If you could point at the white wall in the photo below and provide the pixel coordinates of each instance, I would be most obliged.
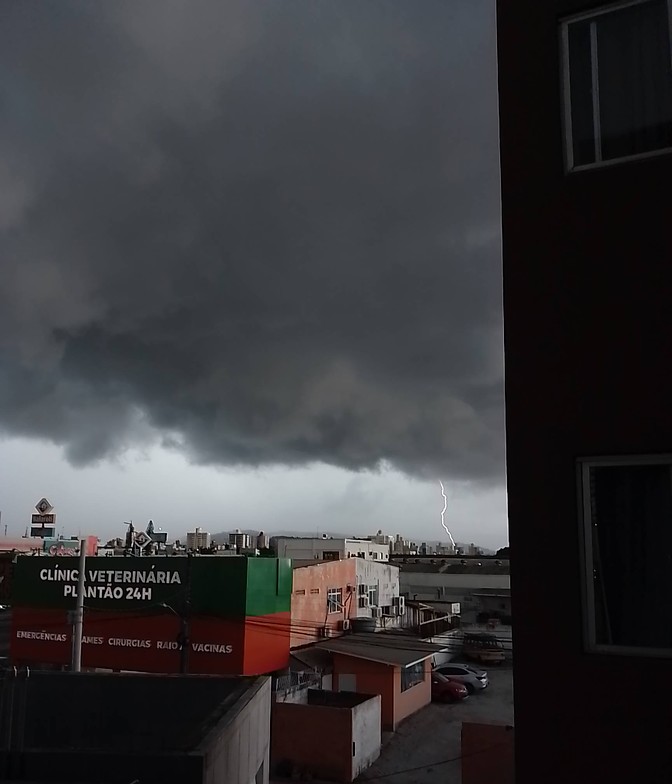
(307, 549)
(366, 734)
(311, 548)
(235, 753)
(386, 577)
(373, 550)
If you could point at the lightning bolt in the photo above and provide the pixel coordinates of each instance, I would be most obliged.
(443, 512)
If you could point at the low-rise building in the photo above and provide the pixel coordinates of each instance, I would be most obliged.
(395, 666)
(329, 597)
(455, 580)
(326, 548)
(126, 728)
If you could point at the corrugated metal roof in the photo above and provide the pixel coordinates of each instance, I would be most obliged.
(394, 649)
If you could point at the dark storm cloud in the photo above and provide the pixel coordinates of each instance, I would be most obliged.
(268, 229)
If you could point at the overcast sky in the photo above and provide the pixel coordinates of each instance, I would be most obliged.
(250, 265)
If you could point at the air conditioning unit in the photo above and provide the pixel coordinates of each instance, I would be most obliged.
(324, 631)
(345, 625)
(376, 612)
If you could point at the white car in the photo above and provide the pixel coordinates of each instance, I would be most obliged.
(472, 677)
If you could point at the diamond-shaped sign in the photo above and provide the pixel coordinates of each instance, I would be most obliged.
(141, 539)
(43, 506)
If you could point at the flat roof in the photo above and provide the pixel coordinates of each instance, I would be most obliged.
(139, 713)
(390, 648)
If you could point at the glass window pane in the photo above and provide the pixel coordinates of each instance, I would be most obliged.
(631, 531)
(635, 80)
(580, 82)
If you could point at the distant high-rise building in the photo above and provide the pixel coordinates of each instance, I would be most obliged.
(262, 541)
(197, 539)
(239, 540)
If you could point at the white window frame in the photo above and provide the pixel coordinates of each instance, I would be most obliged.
(584, 464)
(334, 599)
(566, 90)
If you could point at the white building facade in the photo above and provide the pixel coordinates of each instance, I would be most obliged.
(197, 539)
(328, 549)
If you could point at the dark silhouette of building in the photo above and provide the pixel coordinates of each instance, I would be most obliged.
(586, 134)
(92, 727)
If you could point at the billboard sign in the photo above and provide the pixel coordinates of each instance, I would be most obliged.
(237, 611)
(139, 642)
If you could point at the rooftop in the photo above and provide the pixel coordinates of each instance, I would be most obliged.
(438, 565)
(139, 713)
(385, 648)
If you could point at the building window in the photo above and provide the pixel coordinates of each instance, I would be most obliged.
(300, 592)
(373, 595)
(314, 590)
(412, 675)
(331, 555)
(617, 83)
(626, 515)
(334, 600)
(362, 596)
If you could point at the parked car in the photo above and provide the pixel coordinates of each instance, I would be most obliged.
(472, 677)
(444, 689)
(483, 648)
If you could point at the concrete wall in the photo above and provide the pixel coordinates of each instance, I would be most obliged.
(487, 754)
(366, 734)
(412, 700)
(313, 739)
(235, 752)
(309, 598)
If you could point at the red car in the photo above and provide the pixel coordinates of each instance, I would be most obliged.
(446, 690)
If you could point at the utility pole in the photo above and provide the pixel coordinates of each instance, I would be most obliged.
(185, 622)
(78, 617)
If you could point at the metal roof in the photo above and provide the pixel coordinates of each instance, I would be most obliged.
(391, 648)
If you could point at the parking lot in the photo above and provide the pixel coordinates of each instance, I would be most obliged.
(426, 748)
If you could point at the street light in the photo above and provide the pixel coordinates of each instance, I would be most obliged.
(183, 637)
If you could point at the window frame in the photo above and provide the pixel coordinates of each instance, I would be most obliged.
(565, 87)
(421, 675)
(589, 623)
(337, 601)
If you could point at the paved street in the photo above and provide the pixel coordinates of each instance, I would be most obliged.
(417, 752)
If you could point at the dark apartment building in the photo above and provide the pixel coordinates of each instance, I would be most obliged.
(586, 163)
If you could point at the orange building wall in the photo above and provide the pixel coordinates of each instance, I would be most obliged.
(372, 678)
(266, 643)
(299, 736)
(309, 598)
(385, 679)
